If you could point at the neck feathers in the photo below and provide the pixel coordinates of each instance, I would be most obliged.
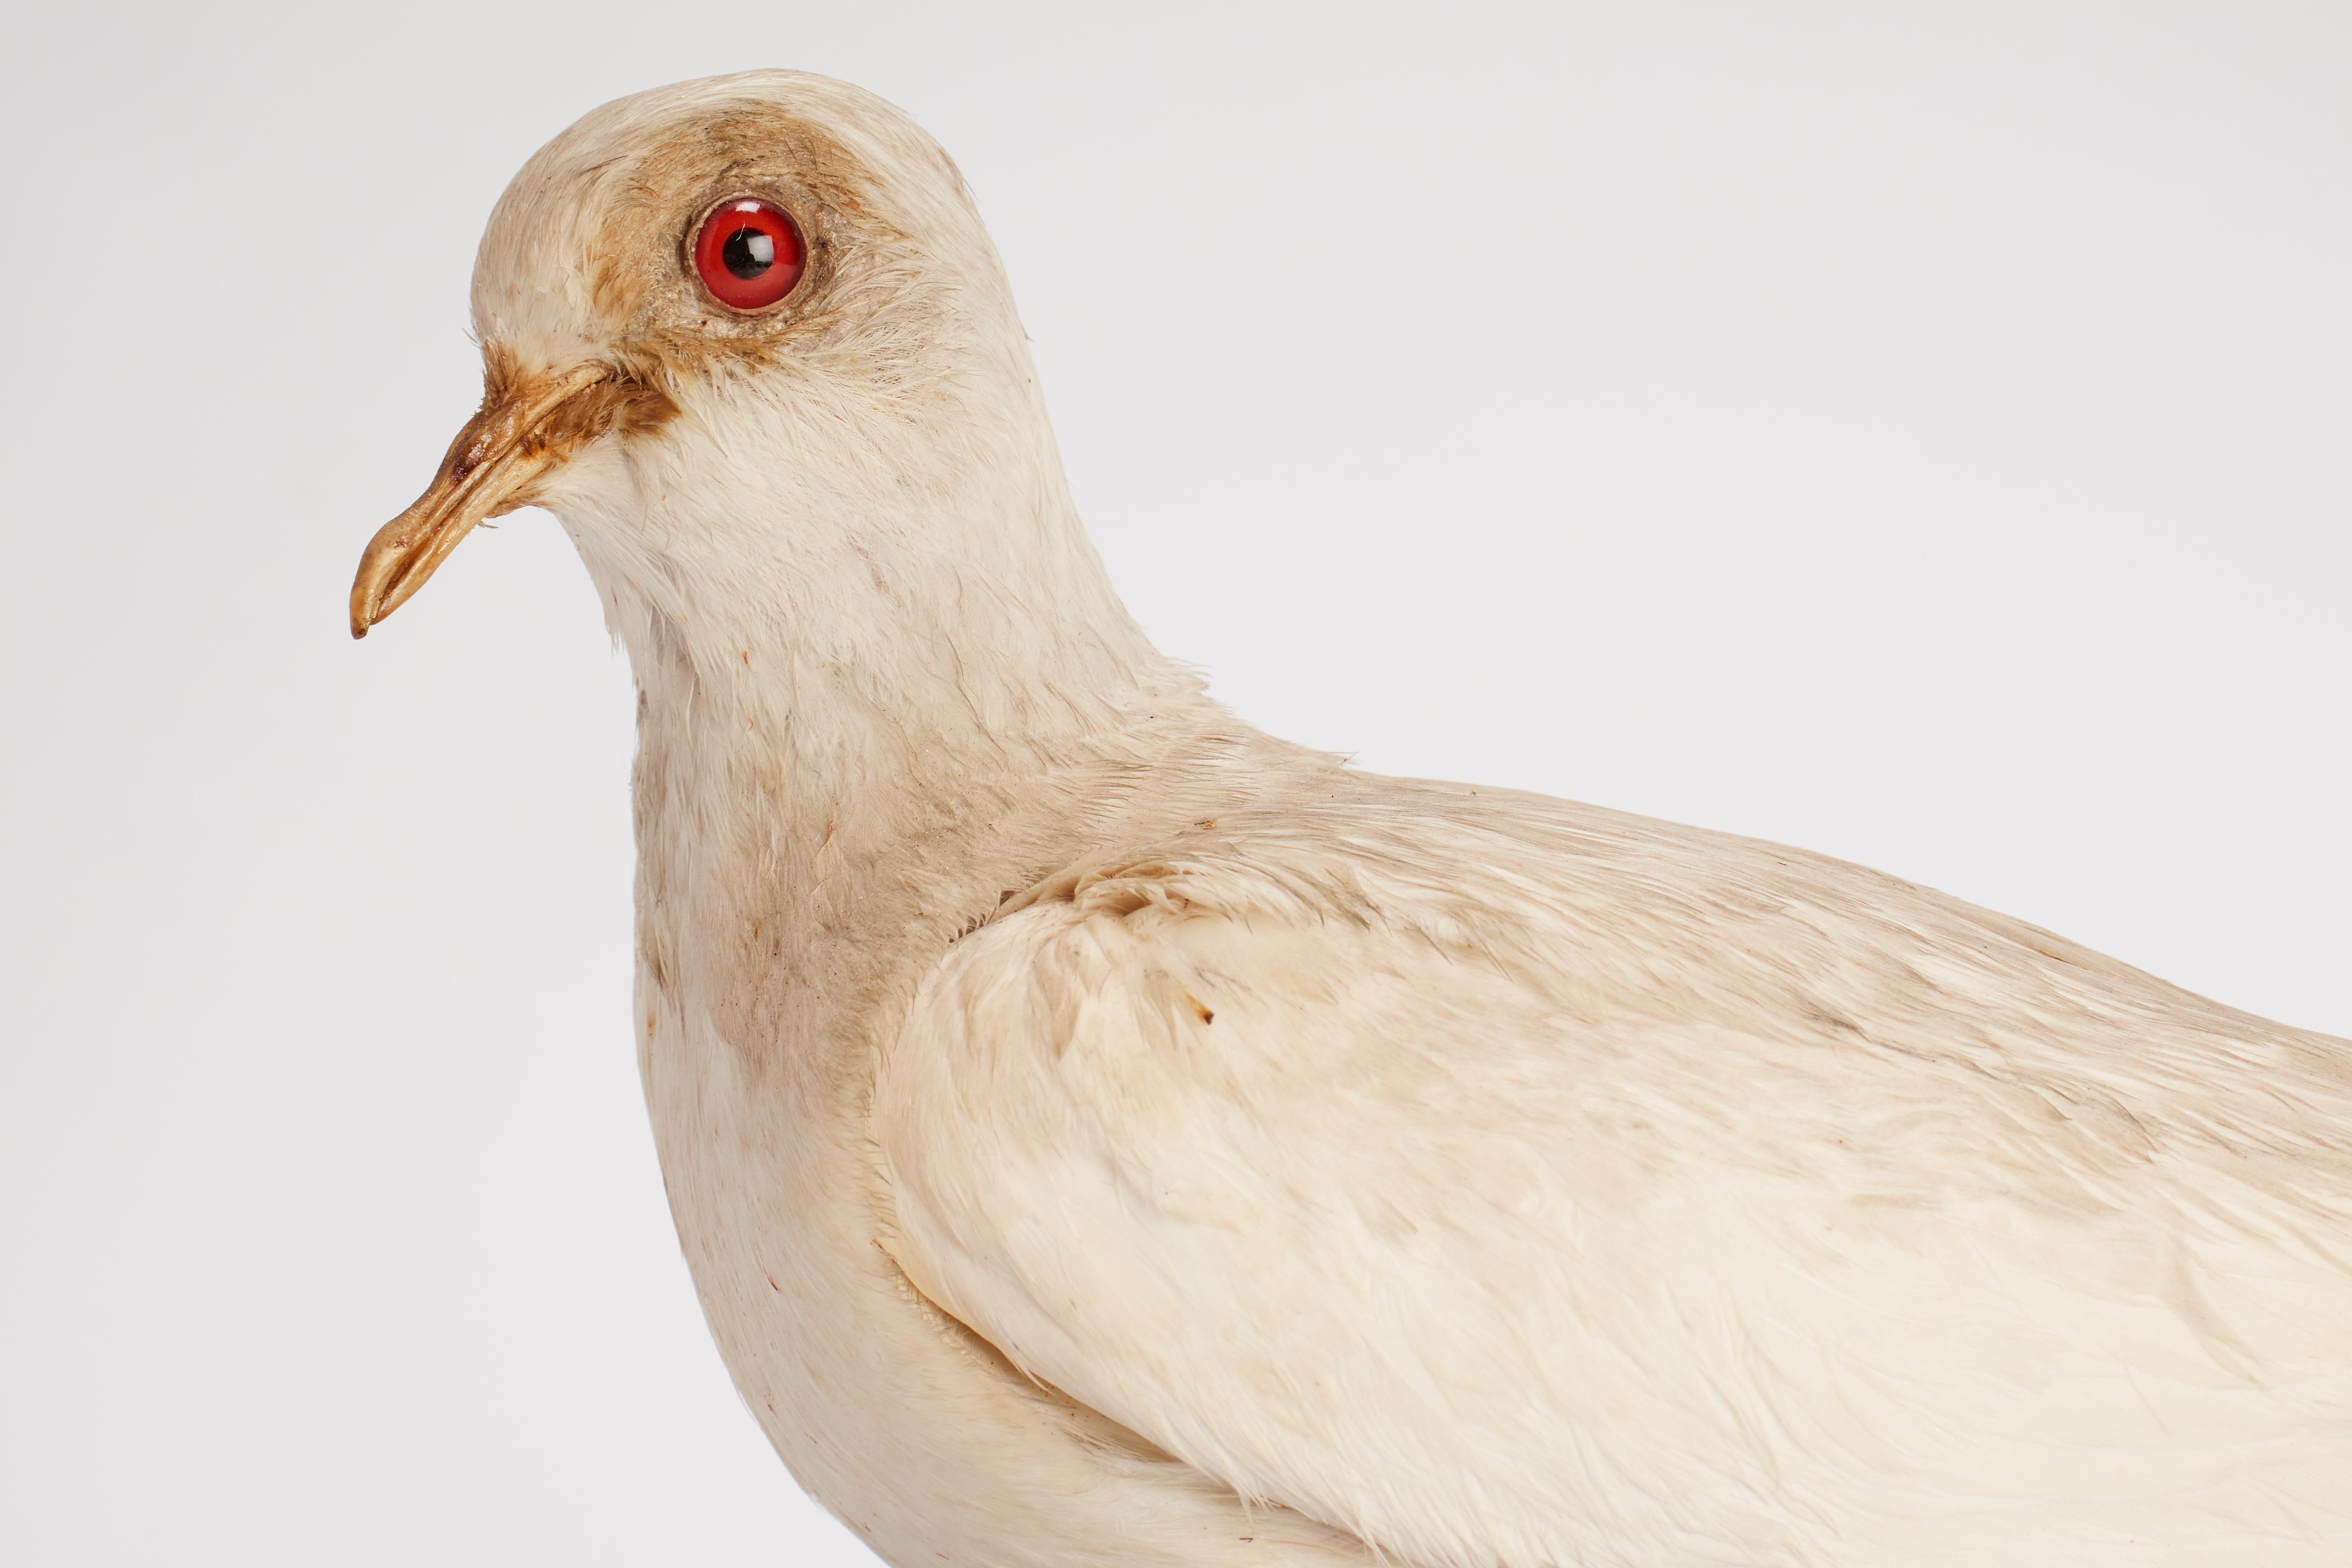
(859, 616)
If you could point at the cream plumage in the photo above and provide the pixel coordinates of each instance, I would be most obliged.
(1104, 1134)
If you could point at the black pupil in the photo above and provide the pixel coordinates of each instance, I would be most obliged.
(749, 252)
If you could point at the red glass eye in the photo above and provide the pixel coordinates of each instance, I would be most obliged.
(748, 253)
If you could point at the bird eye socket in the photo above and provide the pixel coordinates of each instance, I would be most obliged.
(748, 253)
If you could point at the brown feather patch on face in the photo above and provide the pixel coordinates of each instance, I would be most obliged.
(621, 402)
(641, 277)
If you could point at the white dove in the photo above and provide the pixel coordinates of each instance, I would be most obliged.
(1103, 1134)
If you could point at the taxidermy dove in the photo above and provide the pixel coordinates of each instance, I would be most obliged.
(1106, 1136)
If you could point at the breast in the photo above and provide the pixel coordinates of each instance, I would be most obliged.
(907, 1427)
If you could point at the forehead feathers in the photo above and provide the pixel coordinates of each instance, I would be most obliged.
(585, 254)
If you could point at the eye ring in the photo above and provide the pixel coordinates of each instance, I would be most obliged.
(748, 253)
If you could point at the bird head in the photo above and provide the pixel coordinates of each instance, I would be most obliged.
(715, 311)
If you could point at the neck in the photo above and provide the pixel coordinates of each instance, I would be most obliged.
(841, 658)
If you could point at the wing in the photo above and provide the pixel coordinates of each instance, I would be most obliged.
(1513, 1183)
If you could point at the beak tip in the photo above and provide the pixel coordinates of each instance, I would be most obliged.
(492, 461)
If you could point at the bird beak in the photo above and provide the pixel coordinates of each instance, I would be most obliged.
(527, 425)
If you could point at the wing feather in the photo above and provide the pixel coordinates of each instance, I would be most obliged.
(1514, 1184)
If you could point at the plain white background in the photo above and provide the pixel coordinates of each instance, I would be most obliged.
(1919, 432)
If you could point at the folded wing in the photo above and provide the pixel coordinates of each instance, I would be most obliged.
(1511, 1183)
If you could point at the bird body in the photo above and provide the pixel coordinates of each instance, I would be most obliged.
(1104, 1134)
